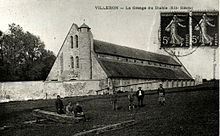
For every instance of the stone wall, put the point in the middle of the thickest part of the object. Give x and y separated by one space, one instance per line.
65 70
97 71
16 91
146 85
127 84
85 46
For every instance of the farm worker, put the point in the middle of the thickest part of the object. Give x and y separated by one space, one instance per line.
161 94
114 99
59 105
131 99
69 109
140 96
78 112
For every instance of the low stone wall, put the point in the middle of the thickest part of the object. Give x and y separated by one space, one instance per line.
154 84
30 90
146 85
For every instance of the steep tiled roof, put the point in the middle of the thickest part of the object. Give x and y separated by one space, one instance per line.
125 70
117 50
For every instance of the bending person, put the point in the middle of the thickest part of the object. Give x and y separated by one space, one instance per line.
78 112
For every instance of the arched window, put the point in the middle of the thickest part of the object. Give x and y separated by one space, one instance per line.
77 62
72 61
76 40
71 41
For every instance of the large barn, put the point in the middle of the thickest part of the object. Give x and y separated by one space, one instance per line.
83 58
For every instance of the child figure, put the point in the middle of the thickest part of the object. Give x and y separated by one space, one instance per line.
161 95
78 112
69 109
131 99
114 99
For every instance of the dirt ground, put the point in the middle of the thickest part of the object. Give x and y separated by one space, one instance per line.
186 113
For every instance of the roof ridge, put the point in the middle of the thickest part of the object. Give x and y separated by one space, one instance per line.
130 63
131 48
119 50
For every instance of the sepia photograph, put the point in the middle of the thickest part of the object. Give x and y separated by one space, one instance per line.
109 68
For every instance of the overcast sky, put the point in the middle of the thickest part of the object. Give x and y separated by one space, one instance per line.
51 19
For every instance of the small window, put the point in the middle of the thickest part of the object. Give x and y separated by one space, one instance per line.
76 40
149 63
77 62
134 60
118 58
71 41
142 62
72 61
126 59
61 63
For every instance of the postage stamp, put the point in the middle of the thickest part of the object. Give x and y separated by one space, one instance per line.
205 28
174 29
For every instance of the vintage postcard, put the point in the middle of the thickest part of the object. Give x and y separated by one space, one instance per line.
109 67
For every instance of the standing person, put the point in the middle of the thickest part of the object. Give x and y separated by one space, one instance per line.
114 99
161 95
59 105
131 99
140 96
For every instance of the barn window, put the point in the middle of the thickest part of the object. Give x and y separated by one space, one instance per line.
76 40
77 62
71 41
72 61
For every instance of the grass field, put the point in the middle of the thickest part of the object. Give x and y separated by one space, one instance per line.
192 112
